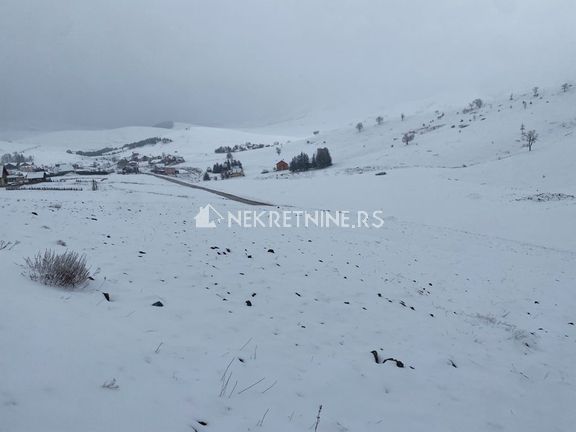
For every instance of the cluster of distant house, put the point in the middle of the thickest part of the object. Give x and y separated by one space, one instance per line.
26 172
18 174
157 164
22 173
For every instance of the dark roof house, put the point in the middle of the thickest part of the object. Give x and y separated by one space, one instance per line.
3 175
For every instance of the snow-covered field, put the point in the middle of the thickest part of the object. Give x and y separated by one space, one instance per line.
469 285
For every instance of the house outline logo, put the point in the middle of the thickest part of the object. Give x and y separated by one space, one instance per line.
208 217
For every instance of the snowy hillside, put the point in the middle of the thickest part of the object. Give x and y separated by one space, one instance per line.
444 137
458 314
188 140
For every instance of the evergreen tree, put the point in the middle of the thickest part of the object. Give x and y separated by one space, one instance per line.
323 158
300 163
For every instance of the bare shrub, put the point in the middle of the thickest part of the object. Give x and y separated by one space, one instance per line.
66 270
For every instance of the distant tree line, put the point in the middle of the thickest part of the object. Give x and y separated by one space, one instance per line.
15 158
145 142
240 147
302 162
130 146
95 153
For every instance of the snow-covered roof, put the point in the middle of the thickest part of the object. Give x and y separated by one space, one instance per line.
64 167
35 175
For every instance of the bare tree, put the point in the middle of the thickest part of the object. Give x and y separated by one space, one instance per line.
530 137
566 87
379 120
402 116
359 126
408 137
535 91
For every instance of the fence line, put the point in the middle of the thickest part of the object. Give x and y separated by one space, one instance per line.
43 188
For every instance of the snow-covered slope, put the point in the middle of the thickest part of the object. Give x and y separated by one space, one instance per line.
469 284
445 136
188 140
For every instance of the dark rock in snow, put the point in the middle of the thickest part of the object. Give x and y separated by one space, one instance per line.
106 296
158 304
398 362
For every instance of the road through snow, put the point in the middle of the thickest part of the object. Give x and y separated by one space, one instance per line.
216 192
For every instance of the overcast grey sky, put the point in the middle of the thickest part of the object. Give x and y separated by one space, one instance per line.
119 62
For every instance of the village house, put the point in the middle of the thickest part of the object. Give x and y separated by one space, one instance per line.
36 177
4 175
282 166
63 168
26 167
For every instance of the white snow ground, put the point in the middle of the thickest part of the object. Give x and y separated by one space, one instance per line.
467 283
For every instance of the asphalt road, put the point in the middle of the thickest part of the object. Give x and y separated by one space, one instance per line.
215 192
